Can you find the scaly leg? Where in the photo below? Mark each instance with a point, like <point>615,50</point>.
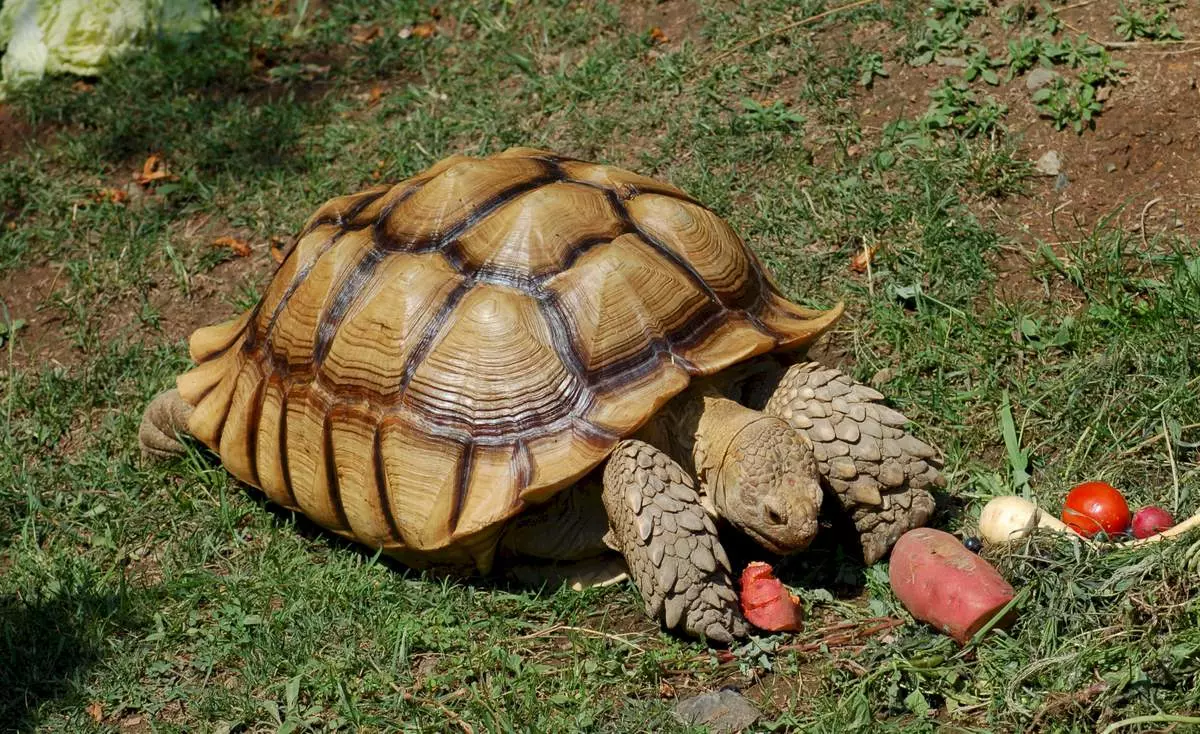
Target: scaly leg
<point>670,544</point>
<point>165,418</point>
<point>880,472</point>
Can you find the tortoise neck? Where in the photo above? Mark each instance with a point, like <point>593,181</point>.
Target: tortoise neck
<point>696,429</point>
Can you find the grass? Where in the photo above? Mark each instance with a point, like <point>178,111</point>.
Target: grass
<point>172,599</point>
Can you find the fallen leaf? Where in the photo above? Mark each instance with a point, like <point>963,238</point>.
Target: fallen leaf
<point>154,169</point>
<point>861,260</point>
<point>657,37</point>
<point>116,196</point>
<point>240,247</point>
<point>365,34</point>
<point>95,711</point>
<point>375,95</point>
<point>82,86</point>
<point>277,249</point>
<point>424,30</point>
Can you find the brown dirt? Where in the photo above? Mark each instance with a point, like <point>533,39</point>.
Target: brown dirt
<point>28,296</point>
<point>45,342</point>
<point>15,132</point>
<point>679,21</point>
<point>1135,170</point>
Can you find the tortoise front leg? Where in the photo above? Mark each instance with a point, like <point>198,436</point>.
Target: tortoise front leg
<point>880,472</point>
<point>669,543</point>
<point>165,418</point>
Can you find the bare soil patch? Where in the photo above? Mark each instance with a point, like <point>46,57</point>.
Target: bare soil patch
<point>1136,170</point>
<point>677,21</point>
<point>45,341</point>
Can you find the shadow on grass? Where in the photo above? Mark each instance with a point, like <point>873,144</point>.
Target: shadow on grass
<point>47,646</point>
<point>230,99</point>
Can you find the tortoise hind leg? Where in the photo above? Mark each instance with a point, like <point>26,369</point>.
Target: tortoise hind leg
<point>165,418</point>
<point>669,543</point>
<point>881,473</point>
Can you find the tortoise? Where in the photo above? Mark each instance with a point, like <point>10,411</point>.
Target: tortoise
<point>531,357</point>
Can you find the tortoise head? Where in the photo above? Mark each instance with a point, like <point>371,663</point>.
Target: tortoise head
<point>762,476</point>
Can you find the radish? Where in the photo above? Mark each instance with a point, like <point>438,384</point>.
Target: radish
<point>942,583</point>
<point>1151,521</point>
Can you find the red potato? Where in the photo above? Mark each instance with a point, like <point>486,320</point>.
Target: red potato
<point>766,603</point>
<point>942,583</point>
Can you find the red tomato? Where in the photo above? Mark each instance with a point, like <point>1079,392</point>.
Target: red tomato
<point>1093,507</point>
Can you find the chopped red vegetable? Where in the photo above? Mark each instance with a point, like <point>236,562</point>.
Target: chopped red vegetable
<point>1151,521</point>
<point>766,602</point>
<point>1093,507</point>
<point>942,583</point>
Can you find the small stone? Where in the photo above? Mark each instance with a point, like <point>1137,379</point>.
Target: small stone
<point>1039,78</point>
<point>882,377</point>
<point>1050,164</point>
<point>1110,167</point>
<point>957,62</point>
<point>723,712</point>
<point>1061,182</point>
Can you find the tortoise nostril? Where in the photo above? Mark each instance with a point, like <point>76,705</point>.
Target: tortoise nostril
<point>774,514</point>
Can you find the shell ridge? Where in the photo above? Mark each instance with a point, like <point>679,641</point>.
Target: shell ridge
<point>284,469</point>
<point>331,475</point>
<point>338,219</point>
<point>462,484</point>
<point>254,420</point>
<point>432,330</point>
<point>381,483</point>
<point>349,292</point>
<point>436,241</point>
<point>297,280</point>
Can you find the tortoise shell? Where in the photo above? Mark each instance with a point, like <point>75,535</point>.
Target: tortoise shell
<point>432,357</point>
